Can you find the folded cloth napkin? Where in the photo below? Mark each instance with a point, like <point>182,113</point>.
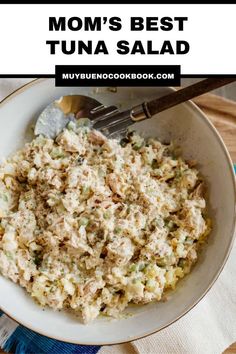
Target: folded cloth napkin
<point>20,340</point>
<point>208,328</point>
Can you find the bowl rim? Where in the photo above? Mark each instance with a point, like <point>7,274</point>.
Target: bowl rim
<point>192,105</point>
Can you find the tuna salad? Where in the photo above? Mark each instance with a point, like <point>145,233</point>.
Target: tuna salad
<point>92,224</point>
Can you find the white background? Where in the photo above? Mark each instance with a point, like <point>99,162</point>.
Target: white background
<point>210,30</point>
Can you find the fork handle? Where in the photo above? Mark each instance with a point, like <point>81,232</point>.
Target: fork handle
<point>148,109</point>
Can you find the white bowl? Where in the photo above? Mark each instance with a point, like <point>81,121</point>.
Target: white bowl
<point>199,140</point>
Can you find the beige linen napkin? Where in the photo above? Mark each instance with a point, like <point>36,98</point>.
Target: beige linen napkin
<point>209,328</point>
